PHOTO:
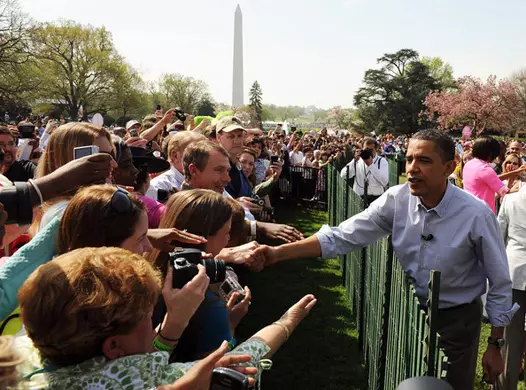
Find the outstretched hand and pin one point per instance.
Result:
(162, 238)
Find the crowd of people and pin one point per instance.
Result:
(98, 293)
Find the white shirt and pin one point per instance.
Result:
(512, 221)
(296, 158)
(167, 181)
(377, 178)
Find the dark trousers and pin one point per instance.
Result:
(459, 329)
(512, 352)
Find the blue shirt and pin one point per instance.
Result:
(467, 246)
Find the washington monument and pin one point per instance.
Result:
(237, 87)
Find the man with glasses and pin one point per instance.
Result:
(14, 170)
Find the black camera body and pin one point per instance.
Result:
(180, 115)
(26, 130)
(228, 379)
(185, 261)
(257, 200)
(366, 154)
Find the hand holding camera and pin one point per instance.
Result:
(237, 307)
(367, 156)
(182, 303)
(211, 373)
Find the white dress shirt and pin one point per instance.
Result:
(512, 221)
(466, 247)
(167, 181)
(376, 175)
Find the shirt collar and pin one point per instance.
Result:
(178, 175)
(441, 208)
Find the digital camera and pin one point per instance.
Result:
(257, 200)
(230, 286)
(180, 115)
(185, 261)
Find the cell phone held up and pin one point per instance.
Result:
(228, 379)
(274, 159)
(83, 151)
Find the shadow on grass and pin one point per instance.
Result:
(323, 352)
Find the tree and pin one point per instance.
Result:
(519, 82)
(392, 98)
(343, 118)
(129, 98)
(206, 107)
(482, 105)
(78, 66)
(441, 71)
(17, 77)
(256, 95)
(181, 91)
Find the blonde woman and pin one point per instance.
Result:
(59, 151)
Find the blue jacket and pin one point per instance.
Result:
(15, 272)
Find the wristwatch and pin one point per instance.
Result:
(499, 343)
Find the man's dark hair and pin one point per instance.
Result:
(198, 154)
(369, 141)
(486, 148)
(257, 141)
(444, 144)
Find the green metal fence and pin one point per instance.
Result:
(398, 340)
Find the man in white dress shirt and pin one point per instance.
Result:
(174, 178)
(372, 170)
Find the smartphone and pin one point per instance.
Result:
(274, 159)
(134, 133)
(83, 151)
(158, 107)
(228, 379)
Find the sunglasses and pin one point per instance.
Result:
(120, 201)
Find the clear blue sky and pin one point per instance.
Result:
(302, 51)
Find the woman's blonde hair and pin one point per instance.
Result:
(201, 212)
(90, 220)
(59, 149)
(510, 157)
(72, 304)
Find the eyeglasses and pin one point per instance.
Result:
(120, 201)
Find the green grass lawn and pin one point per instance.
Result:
(323, 352)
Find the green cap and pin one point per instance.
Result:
(228, 124)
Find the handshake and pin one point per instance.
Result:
(252, 255)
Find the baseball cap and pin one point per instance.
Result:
(131, 123)
(228, 124)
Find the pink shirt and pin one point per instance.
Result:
(154, 209)
(480, 180)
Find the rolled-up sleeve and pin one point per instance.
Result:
(360, 230)
(490, 249)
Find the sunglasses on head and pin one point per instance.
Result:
(120, 201)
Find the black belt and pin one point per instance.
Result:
(461, 306)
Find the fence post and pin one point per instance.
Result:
(363, 275)
(387, 312)
(432, 313)
(345, 216)
(335, 199)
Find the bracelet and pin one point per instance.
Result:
(287, 332)
(37, 190)
(160, 346)
(253, 227)
(166, 338)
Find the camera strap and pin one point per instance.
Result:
(264, 365)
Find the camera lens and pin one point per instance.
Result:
(215, 269)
